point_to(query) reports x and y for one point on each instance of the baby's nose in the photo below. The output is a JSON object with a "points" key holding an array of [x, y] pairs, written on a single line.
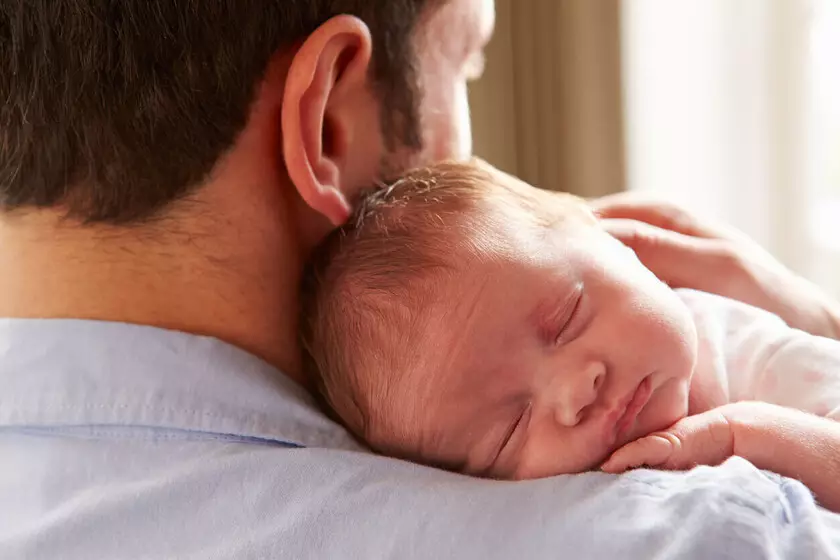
{"points": [[582, 391]]}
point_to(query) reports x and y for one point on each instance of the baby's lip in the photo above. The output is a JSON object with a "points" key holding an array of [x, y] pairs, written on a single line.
{"points": [[621, 418], [637, 402]]}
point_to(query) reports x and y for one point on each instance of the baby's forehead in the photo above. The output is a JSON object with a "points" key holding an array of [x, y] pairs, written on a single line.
{"points": [[505, 226]]}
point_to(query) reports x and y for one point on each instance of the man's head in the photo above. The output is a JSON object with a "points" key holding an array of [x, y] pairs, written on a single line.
{"points": [[113, 111], [202, 148], [468, 320]]}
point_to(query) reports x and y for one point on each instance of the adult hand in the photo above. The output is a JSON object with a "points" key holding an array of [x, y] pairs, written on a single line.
{"points": [[686, 252]]}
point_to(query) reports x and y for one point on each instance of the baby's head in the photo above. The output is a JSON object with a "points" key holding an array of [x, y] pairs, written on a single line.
{"points": [[466, 320]]}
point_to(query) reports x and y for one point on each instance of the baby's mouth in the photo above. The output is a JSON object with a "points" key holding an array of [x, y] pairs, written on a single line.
{"points": [[633, 405], [637, 404]]}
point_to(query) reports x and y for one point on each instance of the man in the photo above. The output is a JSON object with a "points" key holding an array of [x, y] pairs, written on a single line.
{"points": [[165, 168]]}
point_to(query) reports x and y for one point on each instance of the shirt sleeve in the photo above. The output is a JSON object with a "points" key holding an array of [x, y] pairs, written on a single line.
{"points": [[746, 353]]}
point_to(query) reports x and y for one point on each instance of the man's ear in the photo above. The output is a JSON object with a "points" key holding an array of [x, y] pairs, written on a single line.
{"points": [[330, 117]]}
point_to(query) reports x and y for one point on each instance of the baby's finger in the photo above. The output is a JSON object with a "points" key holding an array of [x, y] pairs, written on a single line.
{"points": [[652, 451]]}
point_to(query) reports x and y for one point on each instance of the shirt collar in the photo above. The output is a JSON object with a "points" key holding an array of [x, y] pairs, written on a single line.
{"points": [[57, 373]]}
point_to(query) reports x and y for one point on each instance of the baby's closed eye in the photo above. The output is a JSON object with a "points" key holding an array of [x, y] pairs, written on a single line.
{"points": [[505, 461]]}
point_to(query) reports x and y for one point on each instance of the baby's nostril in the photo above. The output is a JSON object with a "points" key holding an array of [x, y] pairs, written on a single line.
{"points": [[599, 379], [582, 414]]}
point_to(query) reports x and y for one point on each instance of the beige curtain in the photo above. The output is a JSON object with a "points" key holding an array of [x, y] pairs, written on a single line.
{"points": [[549, 108]]}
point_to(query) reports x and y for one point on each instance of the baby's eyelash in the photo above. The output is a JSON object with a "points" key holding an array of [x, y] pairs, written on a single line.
{"points": [[511, 431], [521, 423]]}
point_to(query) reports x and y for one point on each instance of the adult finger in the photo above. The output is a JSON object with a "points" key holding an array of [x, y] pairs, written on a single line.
{"points": [[681, 261], [632, 206]]}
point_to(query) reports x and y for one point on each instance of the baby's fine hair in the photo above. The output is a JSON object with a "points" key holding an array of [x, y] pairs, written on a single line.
{"points": [[373, 286]]}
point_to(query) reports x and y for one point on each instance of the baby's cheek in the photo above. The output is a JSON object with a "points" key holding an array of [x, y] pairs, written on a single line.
{"points": [[553, 451], [679, 347]]}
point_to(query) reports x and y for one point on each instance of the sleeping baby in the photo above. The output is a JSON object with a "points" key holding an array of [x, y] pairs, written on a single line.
{"points": [[465, 320]]}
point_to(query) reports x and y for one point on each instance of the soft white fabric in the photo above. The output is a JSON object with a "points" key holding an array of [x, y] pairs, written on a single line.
{"points": [[119, 441], [746, 353]]}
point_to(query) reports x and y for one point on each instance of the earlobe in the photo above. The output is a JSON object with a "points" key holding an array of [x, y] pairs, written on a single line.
{"points": [[327, 76]]}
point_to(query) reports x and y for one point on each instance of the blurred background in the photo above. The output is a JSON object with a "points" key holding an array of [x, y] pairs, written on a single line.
{"points": [[728, 107]]}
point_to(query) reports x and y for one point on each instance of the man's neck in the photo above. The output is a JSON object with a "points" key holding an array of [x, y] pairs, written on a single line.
{"points": [[207, 277]]}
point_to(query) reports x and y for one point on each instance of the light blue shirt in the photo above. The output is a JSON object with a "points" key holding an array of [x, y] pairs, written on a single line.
{"points": [[120, 441]]}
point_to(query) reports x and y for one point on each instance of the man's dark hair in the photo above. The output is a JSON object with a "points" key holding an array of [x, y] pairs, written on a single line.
{"points": [[115, 108]]}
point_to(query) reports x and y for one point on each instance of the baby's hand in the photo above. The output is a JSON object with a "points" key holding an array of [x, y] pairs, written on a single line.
{"points": [[788, 442], [702, 439]]}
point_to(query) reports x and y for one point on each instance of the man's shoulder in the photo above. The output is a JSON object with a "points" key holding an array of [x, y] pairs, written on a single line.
{"points": [[124, 442], [363, 506], [177, 498], [341, 504]]}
